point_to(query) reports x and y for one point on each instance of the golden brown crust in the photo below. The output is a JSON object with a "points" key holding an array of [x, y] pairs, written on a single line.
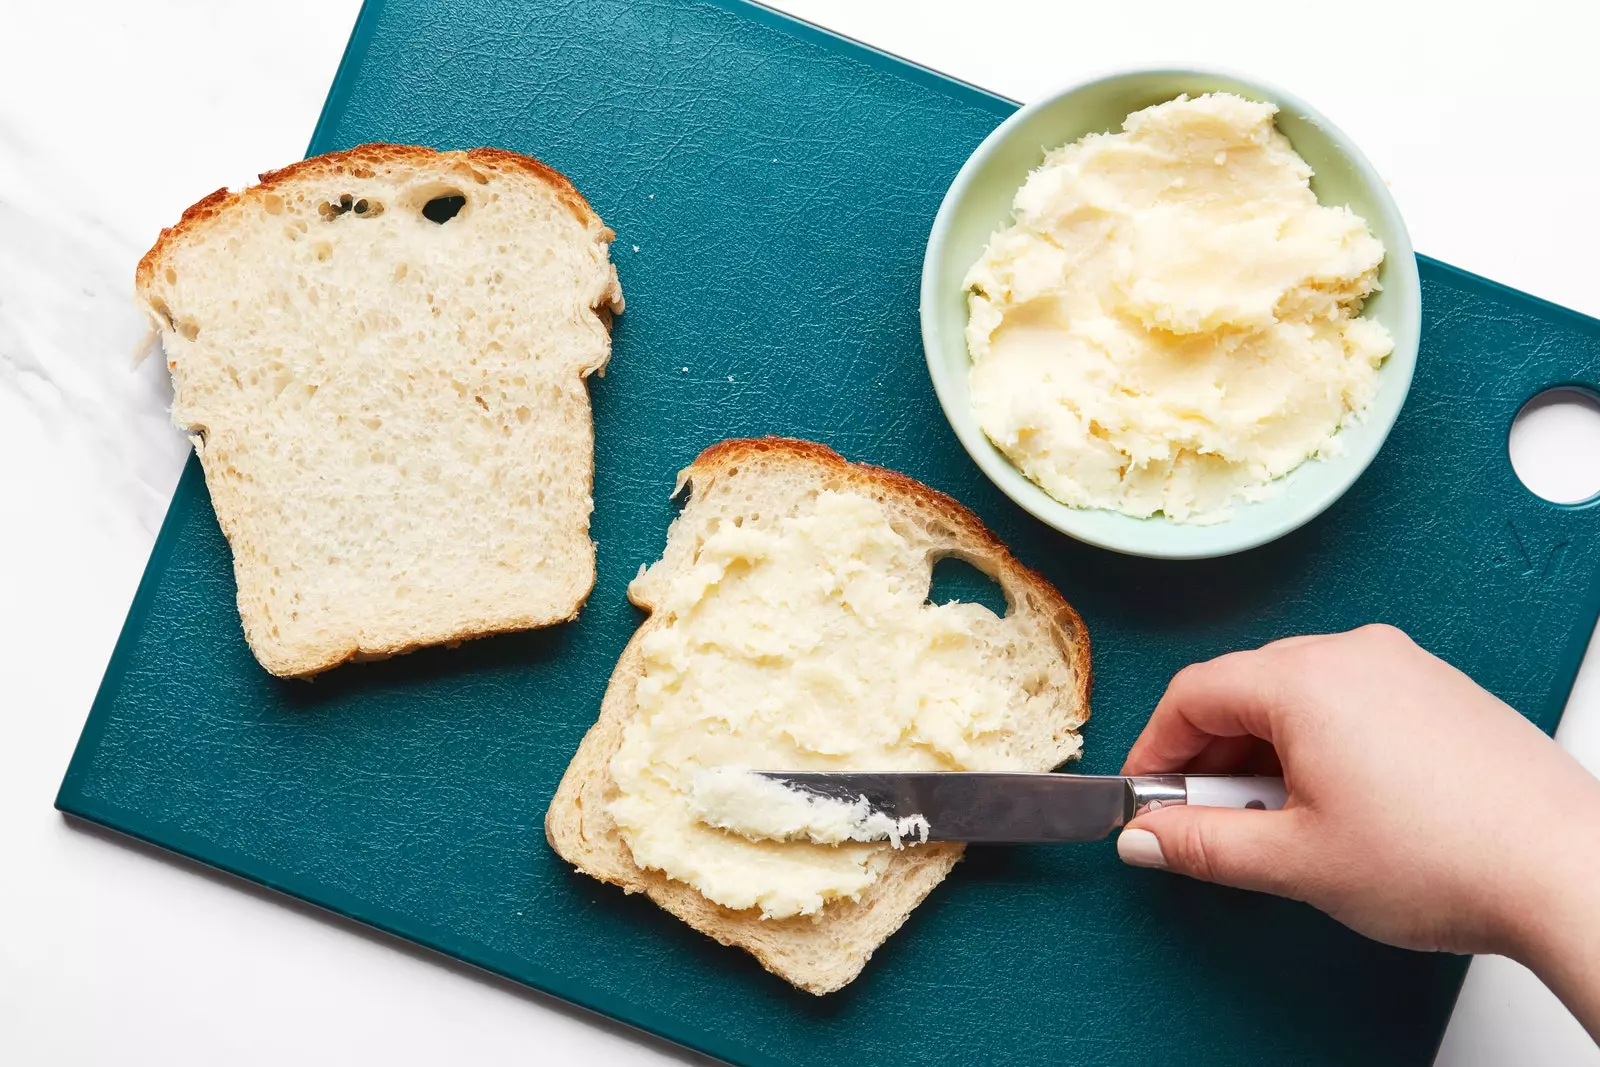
{"points": [[354, 162], [818, 957]]}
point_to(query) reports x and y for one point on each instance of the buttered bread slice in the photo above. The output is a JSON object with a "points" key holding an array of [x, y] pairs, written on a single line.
{"points": [[790, 628], [380, 357]]}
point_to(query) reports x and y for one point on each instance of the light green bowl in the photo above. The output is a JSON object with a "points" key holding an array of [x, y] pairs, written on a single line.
{"points": [[979, 203]]}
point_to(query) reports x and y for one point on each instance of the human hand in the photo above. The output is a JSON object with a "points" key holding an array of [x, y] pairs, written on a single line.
{"points": [[1422, 811]]}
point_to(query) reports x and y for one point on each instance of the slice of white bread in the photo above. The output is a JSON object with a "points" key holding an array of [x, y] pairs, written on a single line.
{"points": [[755, 480], [391, 411]]}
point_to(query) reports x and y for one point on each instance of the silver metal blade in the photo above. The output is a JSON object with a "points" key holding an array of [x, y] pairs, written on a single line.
{"points": [[982, 806]]}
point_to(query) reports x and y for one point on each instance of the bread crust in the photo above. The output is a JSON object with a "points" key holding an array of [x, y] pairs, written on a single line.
{"points": [[352, 162], [818, 955]]}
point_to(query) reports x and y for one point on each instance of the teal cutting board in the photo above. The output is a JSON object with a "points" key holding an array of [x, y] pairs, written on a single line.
{"points": [[778, 184]]}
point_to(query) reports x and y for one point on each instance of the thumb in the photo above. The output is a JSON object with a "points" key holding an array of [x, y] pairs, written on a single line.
{"points": [[1229, 846]]}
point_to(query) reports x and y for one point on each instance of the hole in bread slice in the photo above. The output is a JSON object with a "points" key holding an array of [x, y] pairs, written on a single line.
{"points": [[349, 204], [955, 579], [444, 207]]}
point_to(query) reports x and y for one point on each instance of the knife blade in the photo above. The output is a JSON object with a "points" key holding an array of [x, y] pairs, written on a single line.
{"points": [[1016, 808]]}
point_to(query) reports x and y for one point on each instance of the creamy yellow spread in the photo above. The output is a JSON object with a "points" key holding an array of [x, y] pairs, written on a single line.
{"points": [[741, 801], [804, 643], [1173, 321]]}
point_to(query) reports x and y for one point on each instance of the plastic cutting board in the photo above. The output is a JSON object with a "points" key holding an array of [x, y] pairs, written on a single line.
{"points": [[779, 183]]}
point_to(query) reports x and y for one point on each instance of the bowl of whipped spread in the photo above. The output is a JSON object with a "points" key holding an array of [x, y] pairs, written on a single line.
{"points": [[1172, 313]]}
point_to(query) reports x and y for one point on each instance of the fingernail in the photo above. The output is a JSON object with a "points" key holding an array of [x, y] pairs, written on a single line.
{"points": [[1140, 848]]}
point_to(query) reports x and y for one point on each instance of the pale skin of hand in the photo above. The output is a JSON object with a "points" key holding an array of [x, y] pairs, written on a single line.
{"points": [[1422, 811]]}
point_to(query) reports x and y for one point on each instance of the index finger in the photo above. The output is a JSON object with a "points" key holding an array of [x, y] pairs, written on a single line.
{"points": [[1240, 694]]}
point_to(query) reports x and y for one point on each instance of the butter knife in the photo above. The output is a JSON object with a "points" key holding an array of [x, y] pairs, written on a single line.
{"points": [[980, 806]]}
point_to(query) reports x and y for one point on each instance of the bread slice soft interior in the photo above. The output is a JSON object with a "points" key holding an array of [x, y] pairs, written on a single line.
{"points": [[736, 480], [380, 357]]}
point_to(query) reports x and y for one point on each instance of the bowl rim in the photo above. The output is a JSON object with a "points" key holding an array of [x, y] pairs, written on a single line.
{"points": [[1031, 497]]}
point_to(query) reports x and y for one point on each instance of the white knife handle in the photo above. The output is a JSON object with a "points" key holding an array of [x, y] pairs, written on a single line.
{"points": [[1234, 791]]}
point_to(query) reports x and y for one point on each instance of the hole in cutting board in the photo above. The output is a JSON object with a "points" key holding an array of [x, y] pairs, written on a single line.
{"points": [[1555, 445], [956, 579]]}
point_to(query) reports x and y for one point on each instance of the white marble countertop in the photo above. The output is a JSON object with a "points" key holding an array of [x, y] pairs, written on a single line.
{"points": [[116, 115]]}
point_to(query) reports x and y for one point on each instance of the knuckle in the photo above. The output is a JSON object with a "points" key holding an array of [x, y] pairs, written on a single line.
{"points": [[1188, 677], [1222, 670], [1188, 683], [1384, 633]]}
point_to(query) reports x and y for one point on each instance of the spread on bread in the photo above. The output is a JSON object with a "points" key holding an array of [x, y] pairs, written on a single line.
{"points": [[743, 802], [790, 628], [1173, 321], [802, 644]]}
